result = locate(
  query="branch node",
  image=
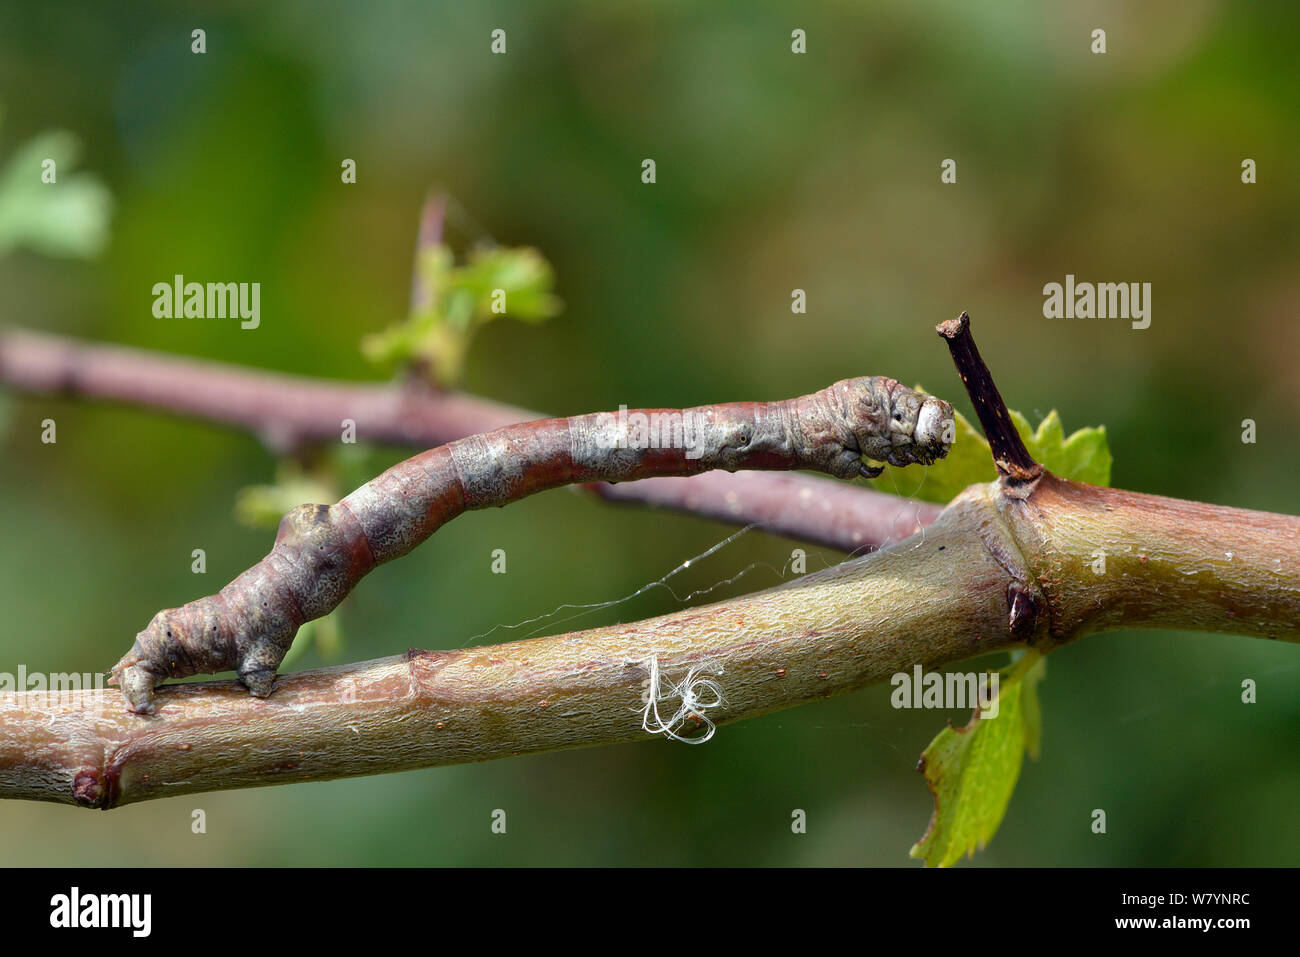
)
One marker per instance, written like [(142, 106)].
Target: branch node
[(88, 789), (1023, 607)]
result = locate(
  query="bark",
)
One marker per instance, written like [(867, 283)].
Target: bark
[(953, 591)]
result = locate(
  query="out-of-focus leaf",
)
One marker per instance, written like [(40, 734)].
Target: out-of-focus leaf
[(262, 506), (495, 282), (68, 217), (519, 277)]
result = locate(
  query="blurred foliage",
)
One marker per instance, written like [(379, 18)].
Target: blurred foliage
[(262, 506), (495, 283), (48, 208), (775, 172)]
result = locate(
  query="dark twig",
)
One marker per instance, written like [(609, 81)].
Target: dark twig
[(1009, 453)]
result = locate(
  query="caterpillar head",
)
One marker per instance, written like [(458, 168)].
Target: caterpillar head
[(933, 428), (898, 425)]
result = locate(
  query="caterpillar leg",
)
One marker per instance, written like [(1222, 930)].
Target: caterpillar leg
[(258, 667), (259, 681), (137, 680)]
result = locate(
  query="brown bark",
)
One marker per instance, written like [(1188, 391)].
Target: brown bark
[(945, 594)]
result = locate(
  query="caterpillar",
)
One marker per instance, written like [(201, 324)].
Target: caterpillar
[(322, 551)]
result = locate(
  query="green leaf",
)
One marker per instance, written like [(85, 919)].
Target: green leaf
[(1084, 456), (68, 217), (494, 283), (972, 771), (521, 277)]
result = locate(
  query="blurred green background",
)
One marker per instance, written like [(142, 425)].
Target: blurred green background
[(775, 171)]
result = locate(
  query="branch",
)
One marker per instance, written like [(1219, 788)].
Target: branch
[(836, 514), (827, 633), (942, 596), (291, 411), (1009, 564)]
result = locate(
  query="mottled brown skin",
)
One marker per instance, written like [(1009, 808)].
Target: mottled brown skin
[(322, 551)]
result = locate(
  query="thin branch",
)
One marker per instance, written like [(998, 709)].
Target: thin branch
[(291, 411), (848, 517)]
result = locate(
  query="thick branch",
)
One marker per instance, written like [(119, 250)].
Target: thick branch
[(944, 595), (826, 633), (289, 411), (1108, 558)]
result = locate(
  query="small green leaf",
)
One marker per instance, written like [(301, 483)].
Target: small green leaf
[(972, 771), (495, 282), (521, 277), (1083, 456), (68, 217)]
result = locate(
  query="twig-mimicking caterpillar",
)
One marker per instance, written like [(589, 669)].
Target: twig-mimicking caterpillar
[(322, 551)]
